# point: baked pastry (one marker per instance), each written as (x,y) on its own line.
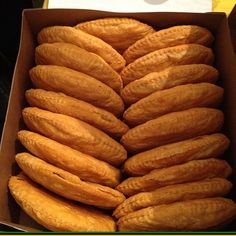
(173,127)
(179,98)
(63,104)
(76,134)
(201,147)
(168,78)
(199,214)
(86,167)
(68,185)
(183,173)
(55,213)
(120,33)
(167,57)
(74,57)
(78,85)
(176,35)
(215,187)
(81,39)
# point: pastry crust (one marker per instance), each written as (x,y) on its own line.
(63,104)
(168,78)
(75,133)
(215,187)
(173,36)
(68,185)
(84,166)
(120,33)
(81,39)
(183,173)
(78,85)
(179,98)
(55,213)
(74,57)
(173,127)
(202,147)
(199,214)
(167,57)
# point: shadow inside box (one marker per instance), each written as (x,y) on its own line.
(6,228)
(11,227)
(232,26)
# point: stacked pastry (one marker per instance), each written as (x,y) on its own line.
(176,177)
(177,181)
(73,143)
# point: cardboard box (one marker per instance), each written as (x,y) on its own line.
(232,25)
(34,20)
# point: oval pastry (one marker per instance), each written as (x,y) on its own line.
(75,133)
(179,98)
(166,57)
(199,214)
(78,85)
(215,187)
(68,185)
(176,35)
(187,172)
(202,147)
(168,78)
(63,104)
(55,213)
(86,167)
(81,39)
(71,56)
(173,127)
(120,33)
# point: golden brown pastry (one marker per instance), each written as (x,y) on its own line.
(120,33)
(86,167)
(81,39)
(199,214)
(78,85)
(63,104)
(173,127)
(55,213)
(176,35)
(74,57)
(75,133)
(201,147)
(167,57)
(179,98)
(183,173)
(168,78)
(68,185)
(215,187)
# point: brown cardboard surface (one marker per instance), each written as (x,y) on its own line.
(34,20)
(232,17)
(232,25)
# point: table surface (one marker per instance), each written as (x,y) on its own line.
(217,5)
(223,5)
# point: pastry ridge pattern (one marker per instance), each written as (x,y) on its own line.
(116,96)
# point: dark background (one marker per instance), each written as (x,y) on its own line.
(10,26)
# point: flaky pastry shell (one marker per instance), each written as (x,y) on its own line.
(54,212)
(75,133)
